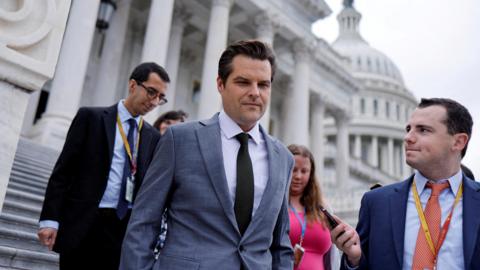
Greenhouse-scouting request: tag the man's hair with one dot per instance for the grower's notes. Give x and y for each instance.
(141, 72)
(312, 197)
(170, 115)
(458, 118)
(251, 48)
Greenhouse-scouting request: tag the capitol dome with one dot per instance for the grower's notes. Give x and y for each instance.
(366, 62)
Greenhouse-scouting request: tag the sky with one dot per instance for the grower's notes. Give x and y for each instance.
(434, 43)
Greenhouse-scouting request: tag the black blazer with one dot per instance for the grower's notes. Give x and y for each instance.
(80, 176)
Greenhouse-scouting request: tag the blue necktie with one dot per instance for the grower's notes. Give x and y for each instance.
(122, 206)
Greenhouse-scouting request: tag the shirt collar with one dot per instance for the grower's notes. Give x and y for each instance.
(455, 181)
(124, 114)
(230, 128)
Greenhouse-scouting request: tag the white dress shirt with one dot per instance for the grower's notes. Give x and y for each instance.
(257, 149)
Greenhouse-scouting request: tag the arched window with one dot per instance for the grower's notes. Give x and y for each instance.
(375, 107)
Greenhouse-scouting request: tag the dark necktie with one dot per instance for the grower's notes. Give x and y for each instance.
(244, 192)
(122, 206)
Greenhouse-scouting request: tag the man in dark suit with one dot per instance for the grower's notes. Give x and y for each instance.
(97, 175)
(224, 181)
(430, 220)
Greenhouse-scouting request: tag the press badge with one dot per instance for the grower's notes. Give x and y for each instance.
(129, 189)
(298, 252)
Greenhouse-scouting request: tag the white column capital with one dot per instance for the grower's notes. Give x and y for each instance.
(266, 24)
(226, 3)
(302, 50)
(181, 15)
(342, 117)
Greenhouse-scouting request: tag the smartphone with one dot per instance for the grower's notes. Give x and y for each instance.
(331, 220)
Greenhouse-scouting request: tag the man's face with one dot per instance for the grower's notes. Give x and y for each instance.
(428, 145)
(246, 92)
(139, 100)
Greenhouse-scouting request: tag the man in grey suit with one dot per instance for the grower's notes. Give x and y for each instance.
(224, 181)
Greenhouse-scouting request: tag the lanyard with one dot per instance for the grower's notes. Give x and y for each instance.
(132, 157)
(303, 222)
(423, 221)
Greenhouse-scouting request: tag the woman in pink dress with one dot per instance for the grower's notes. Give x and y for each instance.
(309, 231)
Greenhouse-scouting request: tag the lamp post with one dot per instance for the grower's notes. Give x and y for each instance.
(105, 12)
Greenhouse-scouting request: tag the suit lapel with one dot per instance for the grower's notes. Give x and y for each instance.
(398, 212)
(109, 120)
(273, 183)
(210, 144)
(471, 218)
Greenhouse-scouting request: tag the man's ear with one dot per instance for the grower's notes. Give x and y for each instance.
(220, 85)
(131, 85)
(460, 140)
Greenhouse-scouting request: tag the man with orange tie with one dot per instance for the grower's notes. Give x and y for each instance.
(430, 220)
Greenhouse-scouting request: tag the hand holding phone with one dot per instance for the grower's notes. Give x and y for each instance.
(331, 220)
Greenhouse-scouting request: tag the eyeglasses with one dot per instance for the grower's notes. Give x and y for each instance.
(152, 93)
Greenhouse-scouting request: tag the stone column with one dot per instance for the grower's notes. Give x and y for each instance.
(297, 116)
(179, 21)
(67, 85)
(28, 58)
(317, 139)
(374, 151)
(30, 113)
(390, 158)
(107, 84)
(357, 148)
(342, 158)
(210, 101)
(266, 28)
(158, 32)
(406, 170)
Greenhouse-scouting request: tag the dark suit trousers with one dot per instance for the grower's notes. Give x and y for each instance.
(101, 247)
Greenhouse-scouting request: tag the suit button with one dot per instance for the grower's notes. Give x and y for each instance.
(242, 249)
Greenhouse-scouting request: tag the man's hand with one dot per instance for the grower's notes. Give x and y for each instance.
(347, 240)
(47, 237)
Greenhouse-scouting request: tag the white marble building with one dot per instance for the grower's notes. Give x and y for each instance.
(346, 101)
(31, 33)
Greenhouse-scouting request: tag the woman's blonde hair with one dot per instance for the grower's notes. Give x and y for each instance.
(312, 197)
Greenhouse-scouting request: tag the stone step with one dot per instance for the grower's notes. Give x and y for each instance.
(18, 259)
(13, 221)
(27, 187)
(20, 239)
(14, 175)
(23, 197)
(22, 209)
(27, 160)
(31, 171)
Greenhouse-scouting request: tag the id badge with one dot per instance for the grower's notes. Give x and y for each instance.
(298, 252)
(129, 189)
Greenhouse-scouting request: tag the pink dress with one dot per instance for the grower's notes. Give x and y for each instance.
(316, 242)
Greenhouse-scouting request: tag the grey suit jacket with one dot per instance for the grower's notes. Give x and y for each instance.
(187, 176)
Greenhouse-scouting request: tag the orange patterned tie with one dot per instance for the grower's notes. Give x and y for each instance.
(423, 257)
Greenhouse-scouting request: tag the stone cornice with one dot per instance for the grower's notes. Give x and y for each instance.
(31, 48)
